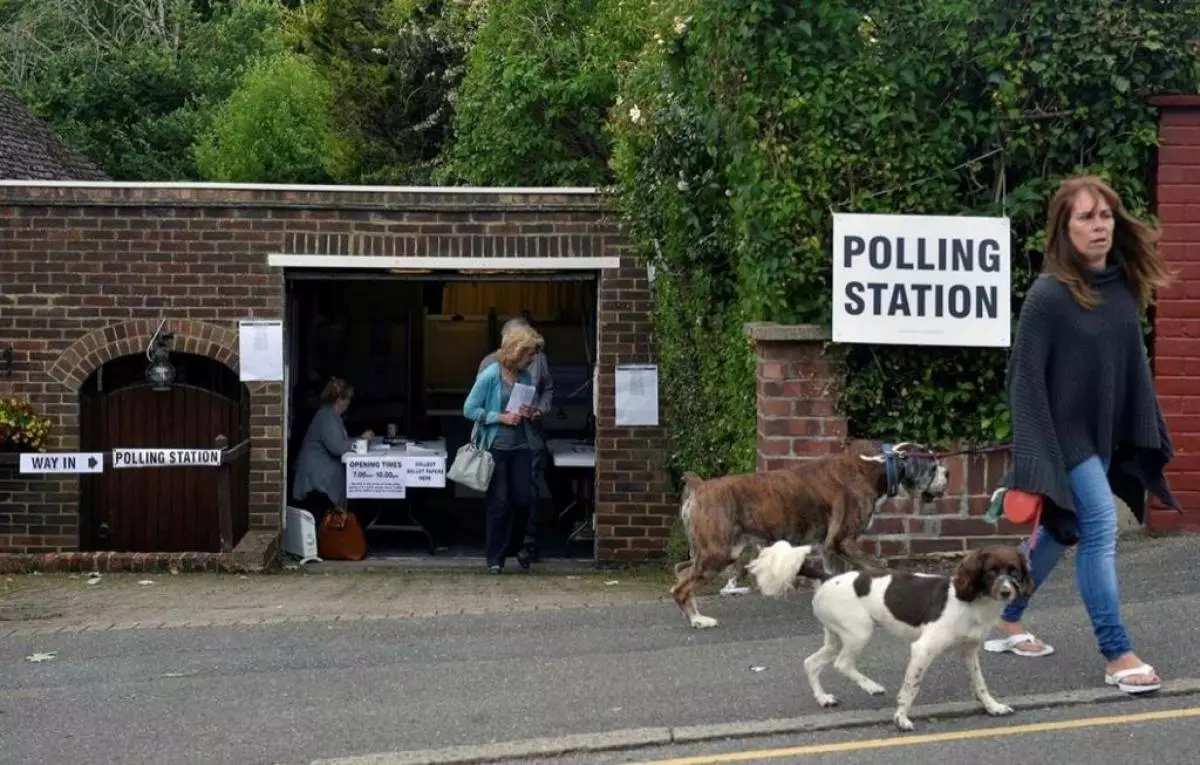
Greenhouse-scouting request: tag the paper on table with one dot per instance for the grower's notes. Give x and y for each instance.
(637, 394)
(522, 395)
(260, 349)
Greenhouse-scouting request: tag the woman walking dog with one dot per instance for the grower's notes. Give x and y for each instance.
(1086, 419)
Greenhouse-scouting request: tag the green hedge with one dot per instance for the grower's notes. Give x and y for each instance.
(745, 123)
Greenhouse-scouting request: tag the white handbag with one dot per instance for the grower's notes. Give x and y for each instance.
(472, 465)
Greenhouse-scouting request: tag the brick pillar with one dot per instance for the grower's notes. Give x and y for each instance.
(1177, 319)
(798, 382)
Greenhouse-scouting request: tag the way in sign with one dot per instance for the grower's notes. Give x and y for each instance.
(85, 462)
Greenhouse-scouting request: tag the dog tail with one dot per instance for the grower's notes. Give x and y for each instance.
(776, 567)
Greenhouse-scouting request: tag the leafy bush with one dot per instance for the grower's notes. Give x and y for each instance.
(539, 81)
(275, 128)
(739, 135)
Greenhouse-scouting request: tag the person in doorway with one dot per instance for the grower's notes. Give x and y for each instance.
(510, 438)
(525, 530)
(320, 481)
(1086, 420)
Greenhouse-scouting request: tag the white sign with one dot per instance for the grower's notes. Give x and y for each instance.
(260, 349)
(637, 395)
(922, 280)
(375, 477)
(139, 458)
(425, 472)
(73, 462)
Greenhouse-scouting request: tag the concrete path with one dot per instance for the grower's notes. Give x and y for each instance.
(470, 660)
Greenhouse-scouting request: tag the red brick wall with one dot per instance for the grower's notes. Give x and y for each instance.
(636, 504)
(88, 272)
(798, 384)
(1177, 319)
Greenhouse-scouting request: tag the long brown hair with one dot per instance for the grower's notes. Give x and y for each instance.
(1134, 245)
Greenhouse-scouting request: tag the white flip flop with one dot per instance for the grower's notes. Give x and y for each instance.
(1009, 645)
(731, 588)
(1117, 679)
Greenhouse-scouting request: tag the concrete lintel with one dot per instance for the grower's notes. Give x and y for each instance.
(1176, 101)
(768, 332)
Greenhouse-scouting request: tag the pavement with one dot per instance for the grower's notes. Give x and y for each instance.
(385, 669)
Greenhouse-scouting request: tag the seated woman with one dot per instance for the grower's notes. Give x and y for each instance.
(510, 439)
(320, 474)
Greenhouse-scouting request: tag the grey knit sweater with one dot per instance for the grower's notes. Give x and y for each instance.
(1079, 384)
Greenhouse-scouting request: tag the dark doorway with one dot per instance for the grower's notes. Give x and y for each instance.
(163, 509)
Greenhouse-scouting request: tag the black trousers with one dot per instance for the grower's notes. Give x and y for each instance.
(509, 500)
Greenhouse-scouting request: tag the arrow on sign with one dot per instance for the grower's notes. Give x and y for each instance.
(92, 462)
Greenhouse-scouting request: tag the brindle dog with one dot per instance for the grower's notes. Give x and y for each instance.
(828, 501)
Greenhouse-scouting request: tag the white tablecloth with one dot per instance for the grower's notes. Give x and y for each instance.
(436, 448)
(570, 453)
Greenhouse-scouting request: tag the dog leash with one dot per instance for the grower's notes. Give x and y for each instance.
(1005, 446)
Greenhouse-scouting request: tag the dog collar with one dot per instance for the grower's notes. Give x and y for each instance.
(891, 470)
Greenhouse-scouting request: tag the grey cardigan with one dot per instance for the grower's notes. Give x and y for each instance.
(319, 466)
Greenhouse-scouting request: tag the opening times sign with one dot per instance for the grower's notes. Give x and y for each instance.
(922, 280)
(390, 476)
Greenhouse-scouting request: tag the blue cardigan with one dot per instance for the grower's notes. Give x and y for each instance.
(483, 404)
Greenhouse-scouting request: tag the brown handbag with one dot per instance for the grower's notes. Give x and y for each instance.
(341, 537)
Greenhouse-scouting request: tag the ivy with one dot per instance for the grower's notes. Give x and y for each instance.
(744, 124)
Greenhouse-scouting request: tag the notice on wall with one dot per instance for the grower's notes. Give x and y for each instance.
(376, 477)
(425, 472)
(150, 458)
(260, 349)
(922, 280)
(637, 395)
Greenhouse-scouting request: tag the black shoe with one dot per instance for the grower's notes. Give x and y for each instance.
(495, 569)
(524, 559)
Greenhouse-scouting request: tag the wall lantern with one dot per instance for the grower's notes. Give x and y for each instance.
(6, 361)
(160, 372)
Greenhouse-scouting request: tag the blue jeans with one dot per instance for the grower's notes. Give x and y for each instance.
(1095, 558)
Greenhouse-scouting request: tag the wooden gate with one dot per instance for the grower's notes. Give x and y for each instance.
(161, 509)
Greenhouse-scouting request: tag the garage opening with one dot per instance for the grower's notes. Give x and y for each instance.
(411, 342)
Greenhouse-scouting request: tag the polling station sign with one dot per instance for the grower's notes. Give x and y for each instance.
(922, 280)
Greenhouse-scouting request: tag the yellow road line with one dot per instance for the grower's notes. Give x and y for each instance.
(900, 740)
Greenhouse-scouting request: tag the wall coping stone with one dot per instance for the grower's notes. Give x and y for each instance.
(769, 332)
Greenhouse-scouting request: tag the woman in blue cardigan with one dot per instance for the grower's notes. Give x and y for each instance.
(509, 438)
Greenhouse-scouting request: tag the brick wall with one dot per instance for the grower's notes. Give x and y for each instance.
(798, 383)
(635, 502)
(1177, 315)
(88, 272)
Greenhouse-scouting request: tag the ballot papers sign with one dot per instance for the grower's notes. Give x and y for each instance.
(922, 280)
(371, 476)
(70, 462)
(151, 458)
(425, 472)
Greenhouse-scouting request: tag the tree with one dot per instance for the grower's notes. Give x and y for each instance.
(275, 128)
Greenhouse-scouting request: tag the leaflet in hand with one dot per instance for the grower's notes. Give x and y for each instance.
(522, 395)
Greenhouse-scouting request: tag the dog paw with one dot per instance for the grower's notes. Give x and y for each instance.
(827, 700)
(703, 622)
(997, 709)
(903, 723)
(873, 688)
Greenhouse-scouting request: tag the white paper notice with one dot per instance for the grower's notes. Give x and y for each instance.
(370, 476)
(637, 395)
(522, 395)
(260, 348)
(425, 472)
